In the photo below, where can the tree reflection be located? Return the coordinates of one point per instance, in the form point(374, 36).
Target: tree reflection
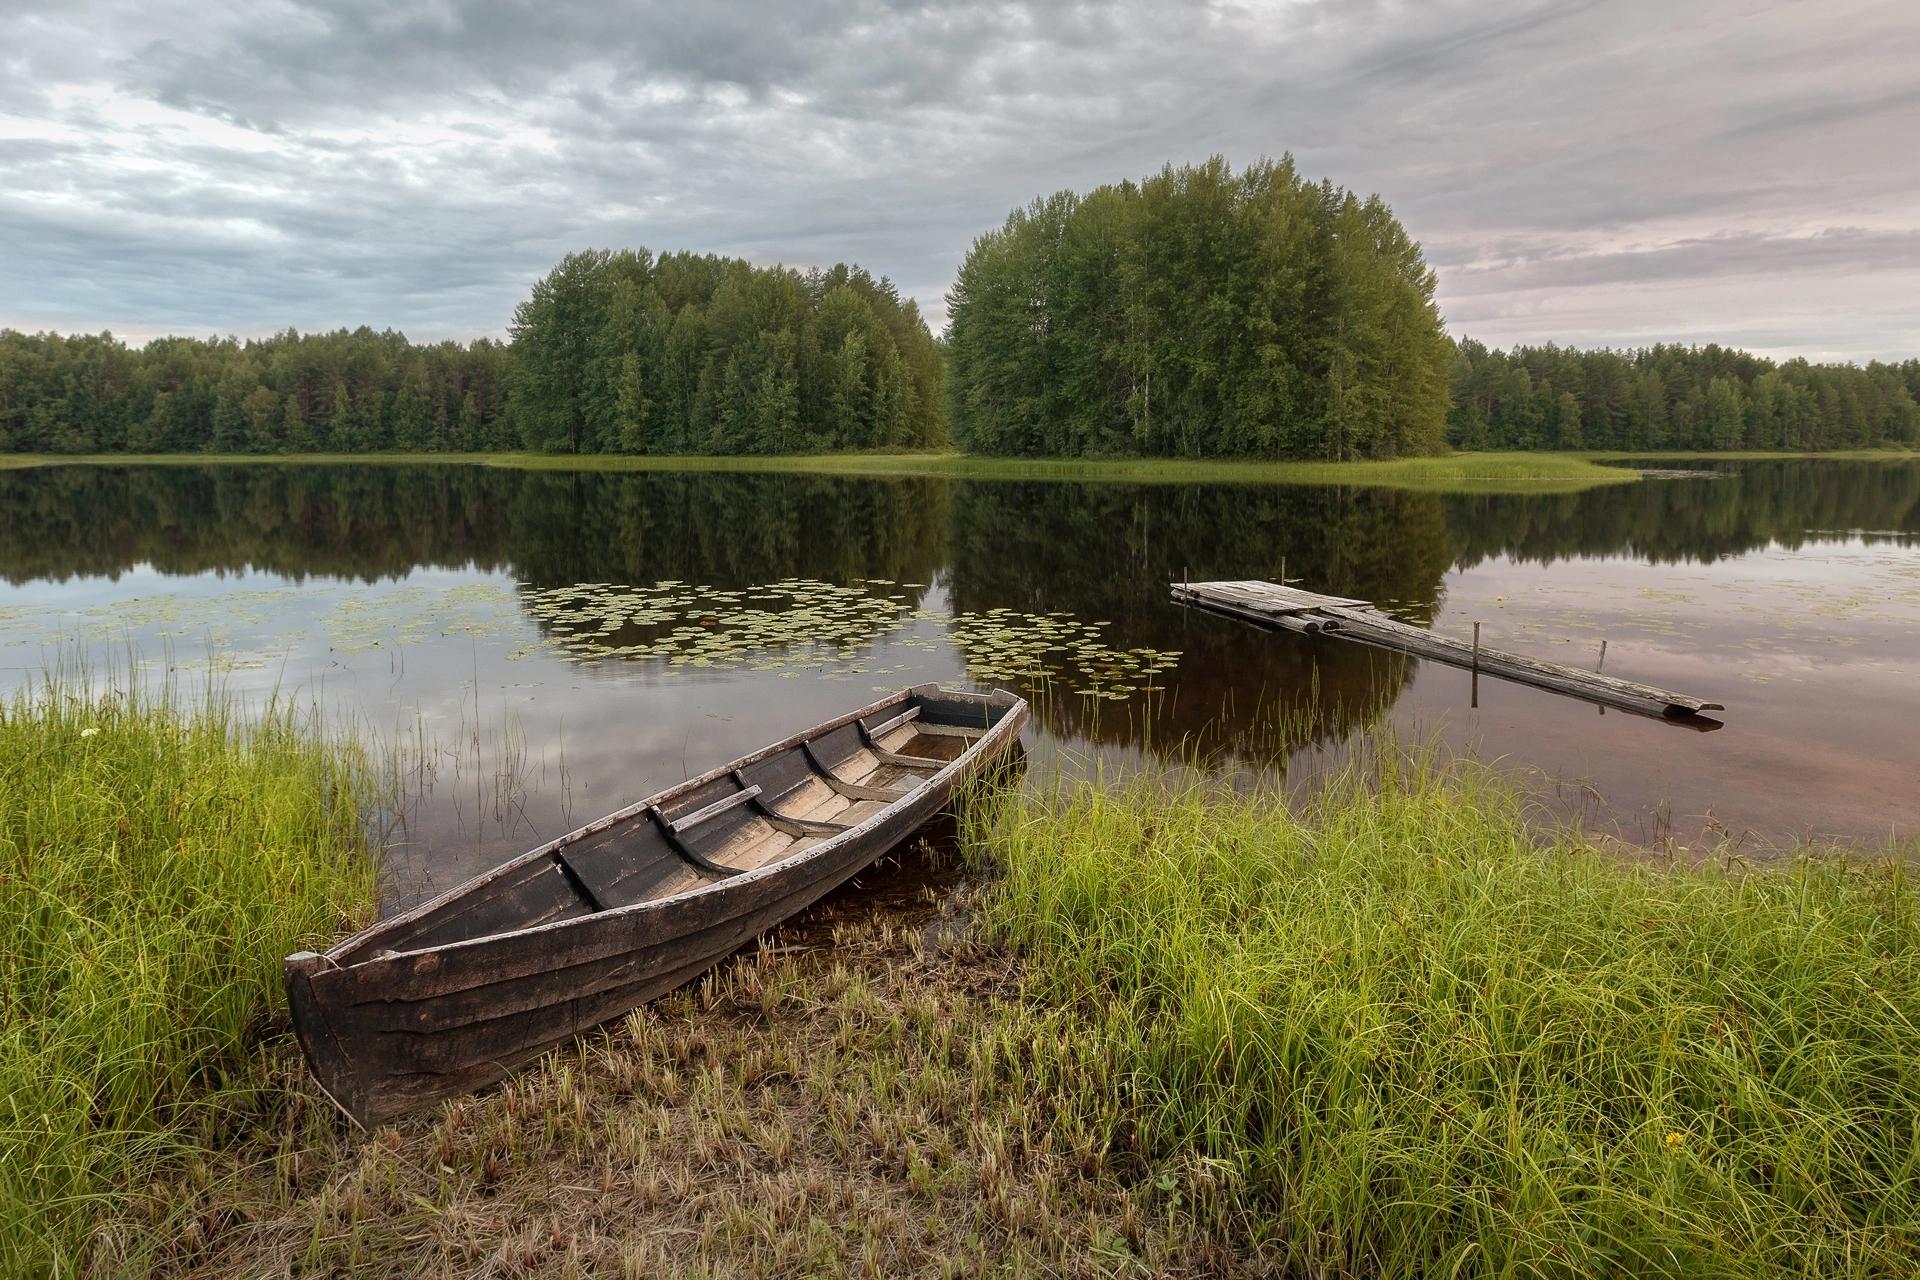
point(1110, 551)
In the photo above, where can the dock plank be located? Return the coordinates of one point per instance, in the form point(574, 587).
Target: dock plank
point(1270, 604)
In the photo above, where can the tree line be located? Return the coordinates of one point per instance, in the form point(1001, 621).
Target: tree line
point(345, 392)
point(612, 353)
point(1199, 313)
point(1673, 397)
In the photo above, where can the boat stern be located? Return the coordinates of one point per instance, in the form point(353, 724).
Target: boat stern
point(331, 1069)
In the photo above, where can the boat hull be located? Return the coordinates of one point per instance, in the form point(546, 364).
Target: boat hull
point(398, 1031)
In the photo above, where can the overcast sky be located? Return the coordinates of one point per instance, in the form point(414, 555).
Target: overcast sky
point(1612, 172)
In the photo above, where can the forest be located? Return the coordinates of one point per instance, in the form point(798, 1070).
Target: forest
point(628, 353)
point(340, 392)
point(612, 352)
point(1199, 313)
point(1673, 397)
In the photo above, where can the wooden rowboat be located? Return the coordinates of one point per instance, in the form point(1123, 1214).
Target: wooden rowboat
point(459, 991)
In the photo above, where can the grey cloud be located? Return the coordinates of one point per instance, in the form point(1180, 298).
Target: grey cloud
point(177, 164)
point(1827, 112)
point(1835, 251)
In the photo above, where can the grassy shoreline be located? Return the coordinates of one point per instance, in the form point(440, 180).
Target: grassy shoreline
point(156, 864)
point(1747, 455)
point(1165, 1029)
point(1453, 473)
point(1414, 1042)
point(1189, 1033)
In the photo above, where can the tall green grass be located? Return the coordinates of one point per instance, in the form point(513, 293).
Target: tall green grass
point(1411, 1040)
point(156, 864)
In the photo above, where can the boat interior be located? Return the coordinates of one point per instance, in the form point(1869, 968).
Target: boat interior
point(767, 809)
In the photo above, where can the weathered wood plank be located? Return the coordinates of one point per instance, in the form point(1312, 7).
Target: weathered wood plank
point(687, 821)
point(1391, 633)
point(888, 726)
point(1273, 605)
point(946, 730)
point(906, 761)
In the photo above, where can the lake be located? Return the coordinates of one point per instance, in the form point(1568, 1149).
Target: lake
point(565, 642)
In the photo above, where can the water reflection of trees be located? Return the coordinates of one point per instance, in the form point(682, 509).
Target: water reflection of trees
point(1097, 551)
point(723, 530)
point(361, 523)
point(1740, 507)
point(547, 528)
point(1109, 551)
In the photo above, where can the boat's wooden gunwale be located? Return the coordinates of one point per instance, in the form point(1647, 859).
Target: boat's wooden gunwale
point(373, 933)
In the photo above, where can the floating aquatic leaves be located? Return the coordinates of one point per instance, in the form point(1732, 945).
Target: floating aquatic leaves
point(693, 626)
point(869, 630)
point(1006, 645)
point(799, 625)
point(415, 614)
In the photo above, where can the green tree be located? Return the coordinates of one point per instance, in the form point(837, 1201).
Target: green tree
point(262, 409)
point(471, 432)
point(1202, 312)
point(1568, 427)
point(1725, 418)
point(412, 419)
point(554, 333)
point(340, 424)
point(295, 435)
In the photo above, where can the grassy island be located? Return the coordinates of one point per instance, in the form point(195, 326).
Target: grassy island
point(1450, 473)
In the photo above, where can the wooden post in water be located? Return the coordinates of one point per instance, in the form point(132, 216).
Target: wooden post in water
point(1476, 666)
point(1603, 658)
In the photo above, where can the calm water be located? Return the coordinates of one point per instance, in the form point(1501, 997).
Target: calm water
point(571, 641)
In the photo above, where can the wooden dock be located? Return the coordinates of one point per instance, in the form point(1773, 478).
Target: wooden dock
point(1276, 607)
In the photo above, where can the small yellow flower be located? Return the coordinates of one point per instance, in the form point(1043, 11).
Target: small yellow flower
point(1676, 1139)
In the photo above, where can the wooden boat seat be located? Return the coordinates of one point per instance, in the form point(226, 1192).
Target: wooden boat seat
point(782, 812)
point(822, 799)
point(626, 864)
point(950, 731)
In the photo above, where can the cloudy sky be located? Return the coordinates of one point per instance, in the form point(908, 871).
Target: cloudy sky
point(1609, 171)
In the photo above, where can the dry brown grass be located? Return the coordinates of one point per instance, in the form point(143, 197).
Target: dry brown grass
point(863, 1096)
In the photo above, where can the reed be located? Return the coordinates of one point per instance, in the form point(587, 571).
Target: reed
point(157, 861)
point(1408, 1038)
